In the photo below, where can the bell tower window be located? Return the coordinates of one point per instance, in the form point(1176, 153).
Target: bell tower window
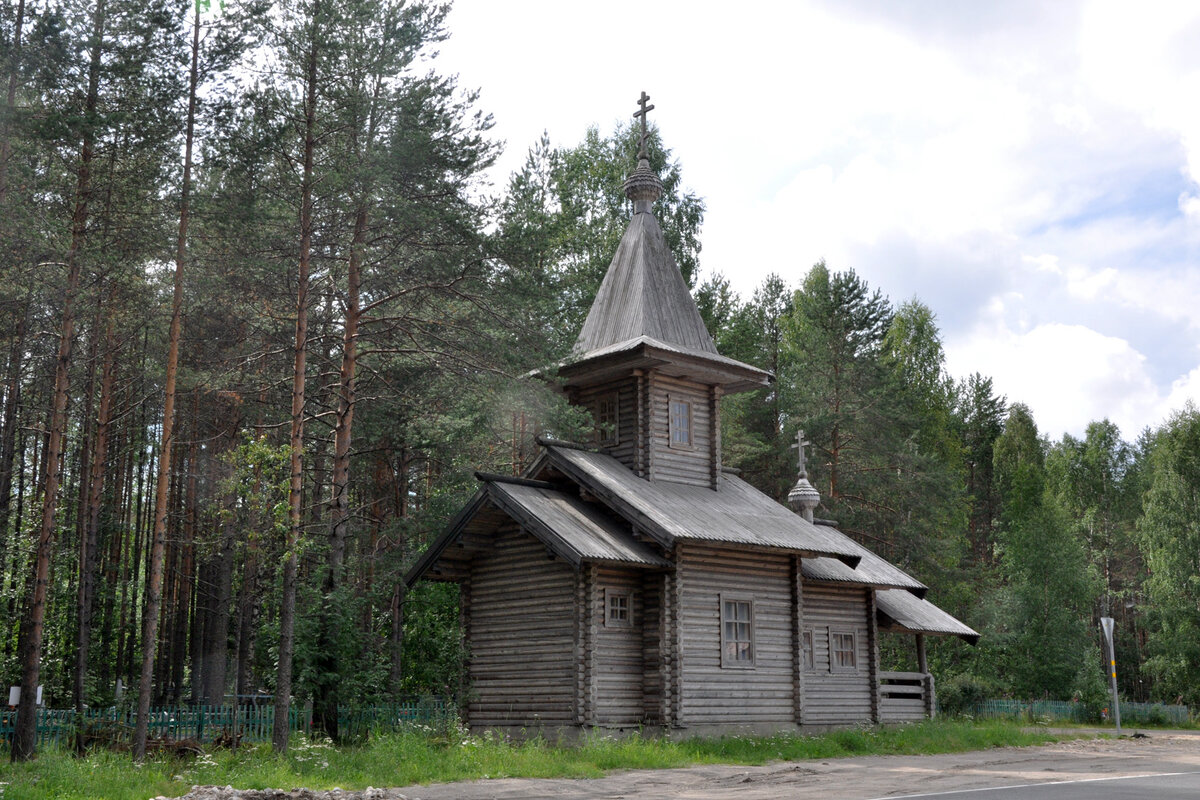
point(607, 420)
point(680, 421)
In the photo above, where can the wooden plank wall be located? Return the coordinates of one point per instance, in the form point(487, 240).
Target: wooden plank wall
point(832, 698)
point(619, 661)
point(716, 694)
point(692, 465)
point(521, 627)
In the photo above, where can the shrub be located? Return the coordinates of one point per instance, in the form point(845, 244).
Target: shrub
point(960, 694)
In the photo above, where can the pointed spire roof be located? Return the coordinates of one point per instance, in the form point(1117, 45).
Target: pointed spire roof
point(644, 294)
point(644, 304)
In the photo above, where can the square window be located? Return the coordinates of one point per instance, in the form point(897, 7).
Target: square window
point(680, 418)
point(737, 632)
point(842, 652)
point(607, 419)
point(808, 657)
point(617, 609)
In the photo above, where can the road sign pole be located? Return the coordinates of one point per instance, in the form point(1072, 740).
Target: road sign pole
point(1106, 625)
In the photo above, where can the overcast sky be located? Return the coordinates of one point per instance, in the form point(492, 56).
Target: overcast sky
point(1031, 171)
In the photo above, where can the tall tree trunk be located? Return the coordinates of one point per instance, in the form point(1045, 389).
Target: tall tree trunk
point(10, 99)
point(154, 580)
point(287, 613)
point(400, 501)
point(89, 541)
point(216, 646)
point(325, 704)
point(24, 742)
point(8, 438)
point(185, 580)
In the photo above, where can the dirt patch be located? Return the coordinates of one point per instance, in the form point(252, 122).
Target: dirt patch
point(863, 778)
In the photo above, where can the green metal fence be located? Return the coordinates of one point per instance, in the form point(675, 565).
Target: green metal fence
point(1131, 713)
point(247, 723)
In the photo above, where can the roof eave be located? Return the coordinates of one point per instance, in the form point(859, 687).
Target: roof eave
point(453, 530)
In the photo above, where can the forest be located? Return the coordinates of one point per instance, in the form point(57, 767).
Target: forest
point(262, 316)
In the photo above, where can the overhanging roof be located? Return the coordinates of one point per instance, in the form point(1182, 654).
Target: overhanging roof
point(569, 527)
point(901, 611)
point(576, 530)
point(871, 570)
point(736, 513)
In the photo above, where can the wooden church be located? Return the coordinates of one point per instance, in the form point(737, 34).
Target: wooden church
point(633, 582)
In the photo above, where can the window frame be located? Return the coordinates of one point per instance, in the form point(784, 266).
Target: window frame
point(618, 594)
point(672, 427)
point(728, 661)
point(608, 434)
point(835, 664)
point(808, 652)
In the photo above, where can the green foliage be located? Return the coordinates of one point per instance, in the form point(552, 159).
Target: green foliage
point(561, 221)
point(442, 756)
point(960, 693)
point(1169, 533)
point(1051, 584)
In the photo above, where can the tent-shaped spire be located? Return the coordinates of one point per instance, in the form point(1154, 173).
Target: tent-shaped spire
point(643, 293)
point(644, 311)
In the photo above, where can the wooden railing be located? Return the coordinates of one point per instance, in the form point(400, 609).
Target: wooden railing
point(906, 696)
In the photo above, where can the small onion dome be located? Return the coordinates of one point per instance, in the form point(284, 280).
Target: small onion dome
point(643, 186)
point(803, 498)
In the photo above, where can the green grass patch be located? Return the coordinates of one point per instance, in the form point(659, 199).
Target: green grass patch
point(402, 759)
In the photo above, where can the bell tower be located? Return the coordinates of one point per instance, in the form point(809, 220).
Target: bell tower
point(644, 363)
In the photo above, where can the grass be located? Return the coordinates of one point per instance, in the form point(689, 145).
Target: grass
point(425, 756)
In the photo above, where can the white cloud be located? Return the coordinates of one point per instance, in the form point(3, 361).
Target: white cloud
point(1034, 168)
point(1069, 375)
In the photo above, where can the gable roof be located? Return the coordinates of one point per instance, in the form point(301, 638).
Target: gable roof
point(574, 529)
point(900, 610)
point(736, 513)
point(569, 527)
point(644, 294)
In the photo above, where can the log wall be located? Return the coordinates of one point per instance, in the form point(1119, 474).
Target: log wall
point(832, 697)
point(712, 693)
point(619, 670)
point(692, 465)
point(625, 448)
point(521, 628)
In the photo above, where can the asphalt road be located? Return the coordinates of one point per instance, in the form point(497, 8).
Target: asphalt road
point(1168, 786)
point(1164, 766)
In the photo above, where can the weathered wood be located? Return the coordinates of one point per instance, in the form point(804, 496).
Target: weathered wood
point(652, 648)
point(619, 660)
point(873, 651)
point(796, 585)
point(903, 696)
point(832, 697)
point(764, 693)
point(691, 464)
point(521, 628)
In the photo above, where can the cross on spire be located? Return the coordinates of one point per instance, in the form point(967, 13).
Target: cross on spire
point(645, 109)
point(799, 448)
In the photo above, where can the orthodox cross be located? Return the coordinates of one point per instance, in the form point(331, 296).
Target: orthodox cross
point(799, 448)
point(642, 101)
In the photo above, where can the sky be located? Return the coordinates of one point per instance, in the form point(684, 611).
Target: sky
point(1028, 170)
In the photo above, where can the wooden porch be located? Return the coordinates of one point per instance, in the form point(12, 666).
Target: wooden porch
point(906, 697)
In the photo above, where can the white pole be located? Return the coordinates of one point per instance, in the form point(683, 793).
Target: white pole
point(1106, 625)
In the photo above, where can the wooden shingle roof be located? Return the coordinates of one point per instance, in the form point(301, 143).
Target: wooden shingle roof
point(902, 611)
point(644, 294)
